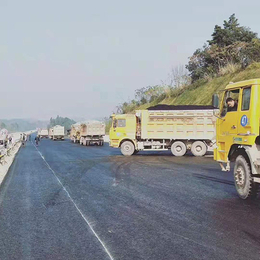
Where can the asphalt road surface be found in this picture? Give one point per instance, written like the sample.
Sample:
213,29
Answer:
66,201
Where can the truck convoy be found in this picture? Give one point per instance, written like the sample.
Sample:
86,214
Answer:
237,135
43,133
88,132
163,127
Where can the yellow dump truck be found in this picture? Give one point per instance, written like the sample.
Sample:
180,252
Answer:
237,134
92,132
75,133
163,127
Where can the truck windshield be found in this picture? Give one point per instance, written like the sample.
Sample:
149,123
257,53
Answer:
121,123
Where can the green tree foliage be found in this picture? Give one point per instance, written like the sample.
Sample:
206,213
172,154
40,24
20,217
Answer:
63,121
231,33
142,96
231,44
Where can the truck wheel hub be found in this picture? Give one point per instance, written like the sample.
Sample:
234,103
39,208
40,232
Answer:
178,148
240,176
198,148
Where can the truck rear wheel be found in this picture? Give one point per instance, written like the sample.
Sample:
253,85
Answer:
198,148
178,148
127,148
245,185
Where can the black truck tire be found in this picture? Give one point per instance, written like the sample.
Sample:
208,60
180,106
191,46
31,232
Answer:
198,148
127,148
178,148
244,182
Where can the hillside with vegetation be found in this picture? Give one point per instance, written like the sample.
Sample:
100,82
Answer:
232,54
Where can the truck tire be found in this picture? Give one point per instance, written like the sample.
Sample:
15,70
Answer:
87,143
198,148
127,148
178,148
244,183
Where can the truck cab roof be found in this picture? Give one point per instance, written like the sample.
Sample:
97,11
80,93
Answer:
243,83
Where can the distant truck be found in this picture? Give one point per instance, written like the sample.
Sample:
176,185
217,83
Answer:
58,132
92,132
163,127
75,133
43,133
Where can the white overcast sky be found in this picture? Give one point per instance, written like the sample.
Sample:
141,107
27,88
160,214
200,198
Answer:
81,58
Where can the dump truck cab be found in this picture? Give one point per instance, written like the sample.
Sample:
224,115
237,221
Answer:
237,135
123,132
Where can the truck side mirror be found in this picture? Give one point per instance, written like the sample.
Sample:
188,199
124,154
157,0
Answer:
215,101
114,123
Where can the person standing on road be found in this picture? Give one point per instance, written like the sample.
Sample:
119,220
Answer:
6,142
23,139
10,139
37,140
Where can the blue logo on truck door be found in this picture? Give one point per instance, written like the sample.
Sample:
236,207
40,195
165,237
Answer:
244,120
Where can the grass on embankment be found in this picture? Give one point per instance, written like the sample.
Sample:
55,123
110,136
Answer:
200,92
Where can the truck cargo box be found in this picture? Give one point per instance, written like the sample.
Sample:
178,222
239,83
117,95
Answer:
92,128
177,124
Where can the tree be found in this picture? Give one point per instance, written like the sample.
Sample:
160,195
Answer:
232,44
63,121
231,33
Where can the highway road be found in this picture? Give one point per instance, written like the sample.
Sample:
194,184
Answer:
65,201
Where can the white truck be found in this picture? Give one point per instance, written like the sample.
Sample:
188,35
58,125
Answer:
58,132
92,132
43,133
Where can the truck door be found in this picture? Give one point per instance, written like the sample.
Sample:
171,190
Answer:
244,124
229,115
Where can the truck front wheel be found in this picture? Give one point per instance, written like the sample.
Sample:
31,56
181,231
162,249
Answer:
198,148
245,185
127,148
178,148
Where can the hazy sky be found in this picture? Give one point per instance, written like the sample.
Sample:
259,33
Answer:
81,58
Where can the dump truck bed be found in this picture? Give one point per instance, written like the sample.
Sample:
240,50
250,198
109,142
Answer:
43,132
177,124
58,130
92,129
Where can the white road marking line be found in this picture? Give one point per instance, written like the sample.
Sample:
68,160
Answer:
80,212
